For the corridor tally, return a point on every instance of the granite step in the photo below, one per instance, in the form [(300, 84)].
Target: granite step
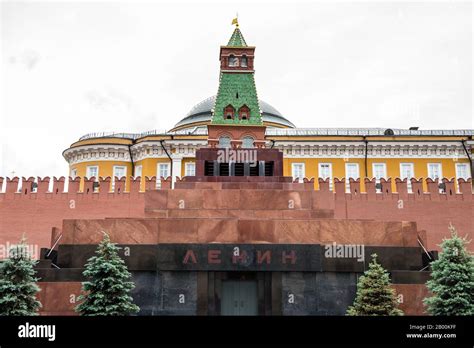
[(244, 199), (286, 186), (241, 214)]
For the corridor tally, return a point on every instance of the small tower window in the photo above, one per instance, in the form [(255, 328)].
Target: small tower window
[(244, 113), (229, 112), (247, 142), (233, 61), (243, 62), (224, 142)]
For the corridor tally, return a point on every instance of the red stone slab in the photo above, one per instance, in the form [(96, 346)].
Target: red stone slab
[(58, 297), (232, 230)]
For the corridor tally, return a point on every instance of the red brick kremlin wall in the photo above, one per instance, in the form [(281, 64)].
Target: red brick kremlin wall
[(432, 211), (36, 213)]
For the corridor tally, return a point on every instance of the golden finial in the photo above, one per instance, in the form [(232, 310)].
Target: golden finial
[(236, 20)]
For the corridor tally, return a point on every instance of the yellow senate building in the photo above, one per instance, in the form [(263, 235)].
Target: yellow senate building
[(333, 153)]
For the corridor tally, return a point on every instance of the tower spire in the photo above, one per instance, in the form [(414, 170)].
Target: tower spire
[(237, 39)]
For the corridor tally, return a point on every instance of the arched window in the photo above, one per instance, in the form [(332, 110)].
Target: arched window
[(243, 62), (233, 61), (229, 112), (244, 113), (247, 142), (224, 142)]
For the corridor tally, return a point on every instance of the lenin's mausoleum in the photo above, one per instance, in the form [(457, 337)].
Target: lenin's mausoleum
[(237, 211)]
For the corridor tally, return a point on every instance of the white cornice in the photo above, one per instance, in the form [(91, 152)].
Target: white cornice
[(452, 150), (153, 149), (97, 152), (290, 149)]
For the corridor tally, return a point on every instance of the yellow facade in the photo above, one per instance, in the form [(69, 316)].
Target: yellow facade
[(420, 166), (106, 168), (150, 168)]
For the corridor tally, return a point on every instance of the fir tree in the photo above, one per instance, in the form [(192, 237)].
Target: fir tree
[(452, 279), (106, 291), (374, 294), (18, 286)]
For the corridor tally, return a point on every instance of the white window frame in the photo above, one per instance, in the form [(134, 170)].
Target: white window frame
[(138, 168), (303, 170), (466, 165), (384, 165), (440, 166), (187, 171), (348, 184), (88, 172), (167, 165), (377, 180), (113, 175), (121, 167), (330, 173), (158, 176), (412, 170), (73, 173)]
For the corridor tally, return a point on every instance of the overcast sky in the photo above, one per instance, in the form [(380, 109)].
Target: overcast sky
[(78, 67)]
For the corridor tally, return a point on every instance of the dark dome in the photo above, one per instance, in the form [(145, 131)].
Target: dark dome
[(201, 112)]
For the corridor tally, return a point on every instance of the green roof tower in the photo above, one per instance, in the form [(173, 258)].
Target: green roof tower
[(237, 100)]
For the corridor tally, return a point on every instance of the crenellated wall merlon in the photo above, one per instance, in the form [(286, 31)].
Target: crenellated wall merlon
[(31, 186), (437, 190)]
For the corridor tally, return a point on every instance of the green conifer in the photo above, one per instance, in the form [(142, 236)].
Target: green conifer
[(374, 293), (108, 285), (18, 288), (452, 279)]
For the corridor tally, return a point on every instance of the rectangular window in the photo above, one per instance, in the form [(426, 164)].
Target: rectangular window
[(434, 171), (352, 171), (407, 172), (325, 172), (92, 171), (162, 171), (462, 172), (190, 169), (138, 171), (298, 171), (73, 173), (379, 171), (119, 172)]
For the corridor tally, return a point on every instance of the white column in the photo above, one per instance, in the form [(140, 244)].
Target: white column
[(176, 170)]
